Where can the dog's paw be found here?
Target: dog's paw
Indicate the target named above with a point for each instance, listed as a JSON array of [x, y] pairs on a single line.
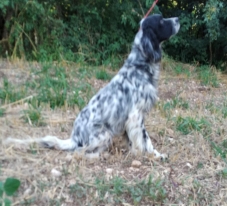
[[164, 157]]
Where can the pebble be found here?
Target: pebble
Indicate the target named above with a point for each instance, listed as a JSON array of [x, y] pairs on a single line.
[[55, 173], [109, 171], [136, 163]]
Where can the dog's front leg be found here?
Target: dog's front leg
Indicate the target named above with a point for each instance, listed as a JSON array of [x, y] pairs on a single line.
[[139, 137]]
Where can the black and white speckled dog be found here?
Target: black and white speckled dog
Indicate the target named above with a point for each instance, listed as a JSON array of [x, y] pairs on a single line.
[[121, 106]]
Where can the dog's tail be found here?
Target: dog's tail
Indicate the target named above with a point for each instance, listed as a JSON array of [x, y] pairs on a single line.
[[47, 141]]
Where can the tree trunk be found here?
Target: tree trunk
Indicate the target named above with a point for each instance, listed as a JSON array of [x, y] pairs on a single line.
[[211, 54]]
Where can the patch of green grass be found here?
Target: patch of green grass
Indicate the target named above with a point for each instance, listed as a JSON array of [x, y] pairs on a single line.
[[33, 116], [53, 87], [200, 165], [212, 108], [116, 190], [103, 75], [178, 69], [207, 76], [224, 110], [85, 72], [223, 173], [9, 94], [80, 95], [176, 102], [219, 148], [187, 125], [2, 112]]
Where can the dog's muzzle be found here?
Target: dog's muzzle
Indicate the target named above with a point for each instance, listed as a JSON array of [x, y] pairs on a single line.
[[176, 24]]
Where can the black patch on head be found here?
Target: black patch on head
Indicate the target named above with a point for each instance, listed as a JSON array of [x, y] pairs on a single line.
[[155, 30]]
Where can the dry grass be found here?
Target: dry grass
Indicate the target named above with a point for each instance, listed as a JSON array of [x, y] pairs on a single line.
[[194, 175]]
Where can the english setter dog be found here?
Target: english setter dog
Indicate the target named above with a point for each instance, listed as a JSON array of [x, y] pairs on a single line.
[[120, 106]]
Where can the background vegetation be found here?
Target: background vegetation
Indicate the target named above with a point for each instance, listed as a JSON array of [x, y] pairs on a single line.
[[95, 31]]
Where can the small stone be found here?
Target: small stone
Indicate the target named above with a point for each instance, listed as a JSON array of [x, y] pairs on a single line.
[[109, 171], [27, 191], [133, 169], [68, 157], [136, 163], [55, 173], [189, 165]]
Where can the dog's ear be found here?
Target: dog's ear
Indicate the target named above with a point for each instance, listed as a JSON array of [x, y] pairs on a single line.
[[150, 45]]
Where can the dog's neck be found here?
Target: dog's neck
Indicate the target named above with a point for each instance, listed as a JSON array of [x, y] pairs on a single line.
[[137, 58], [136, 61]]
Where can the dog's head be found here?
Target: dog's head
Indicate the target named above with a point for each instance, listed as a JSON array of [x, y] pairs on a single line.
[[153, 31]]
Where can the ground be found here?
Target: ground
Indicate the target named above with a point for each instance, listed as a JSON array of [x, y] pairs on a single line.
[[188, 123]]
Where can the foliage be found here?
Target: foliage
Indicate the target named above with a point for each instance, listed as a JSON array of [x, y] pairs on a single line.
[[95, 31], [8, 188], [202, 37]]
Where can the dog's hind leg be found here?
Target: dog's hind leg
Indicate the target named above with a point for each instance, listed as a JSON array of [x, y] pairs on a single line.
[[98, 142], [138, 135]]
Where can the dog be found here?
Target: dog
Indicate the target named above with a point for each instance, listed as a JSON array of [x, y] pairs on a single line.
[[120, 107]]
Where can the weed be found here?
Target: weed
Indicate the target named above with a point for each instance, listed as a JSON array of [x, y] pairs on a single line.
[[149, 189], [103, 75], [189, 124], [211, 107], [80, 95], [224, 110], [8, 188], [79, 190], [53, 88], [222, 174], [207, 76], [220, 149], [9, 94], [118, 189], [2, 112], [176, 102], [33, 116], [180, 70], [200, 165], [84, 72]]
